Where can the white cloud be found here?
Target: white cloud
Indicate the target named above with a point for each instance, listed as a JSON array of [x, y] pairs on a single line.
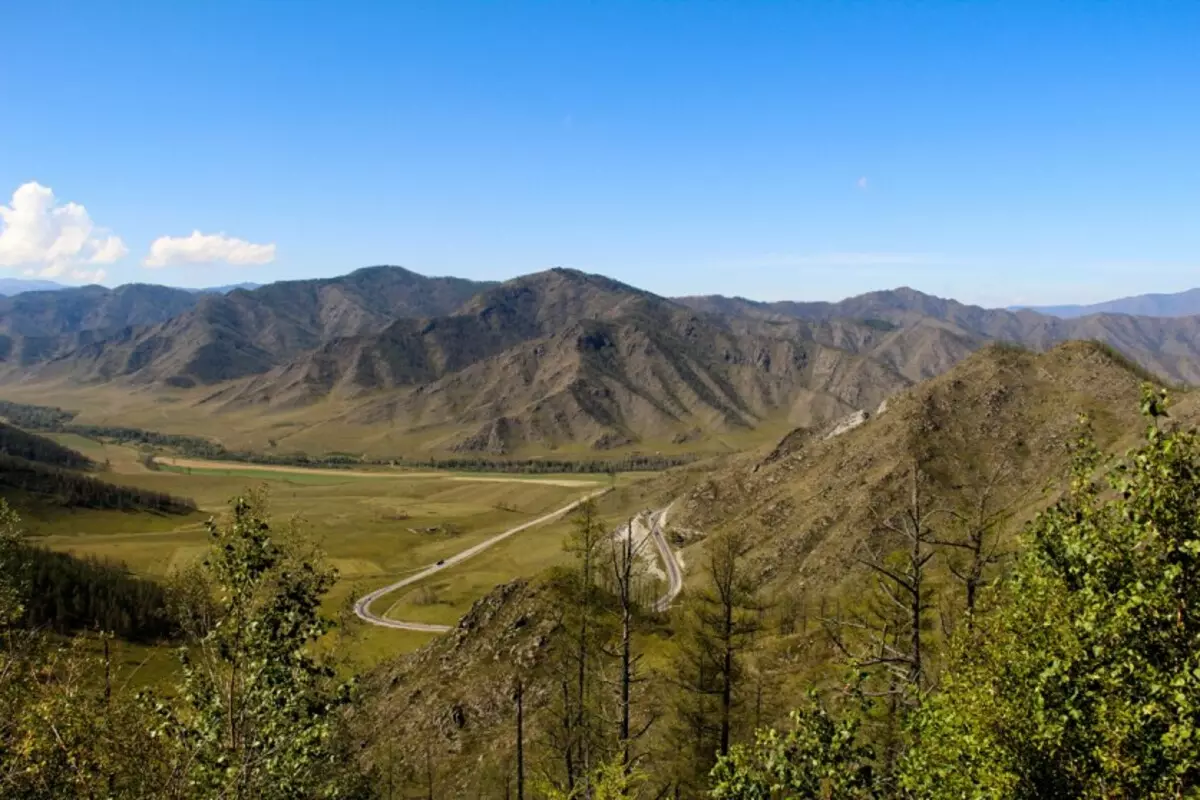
[[862, 183], [207, 248], [52, 240]]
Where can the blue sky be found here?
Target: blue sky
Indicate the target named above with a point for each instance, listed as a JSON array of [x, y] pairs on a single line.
[[1004, 152]]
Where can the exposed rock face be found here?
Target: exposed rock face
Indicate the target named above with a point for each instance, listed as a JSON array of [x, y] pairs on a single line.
[[848, 423]]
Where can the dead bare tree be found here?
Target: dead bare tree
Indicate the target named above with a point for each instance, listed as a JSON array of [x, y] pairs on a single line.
[[520, 698], [572, 735], [727, 617], [625, 574], [623, 563], [584, 544], [987, 498], [889, 636]]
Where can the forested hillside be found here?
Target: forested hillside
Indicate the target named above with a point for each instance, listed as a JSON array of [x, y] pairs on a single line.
[[65, 594], [20, 444]]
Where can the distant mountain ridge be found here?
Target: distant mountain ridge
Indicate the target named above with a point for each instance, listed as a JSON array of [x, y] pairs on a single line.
[[1179, 304], [545, 360], [11, 286], [1168, 347], [15, 286], [202, 338], [228, 288]]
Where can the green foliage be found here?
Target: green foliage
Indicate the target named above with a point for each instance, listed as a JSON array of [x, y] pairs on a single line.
[[609, 782], [822, 756], [722, 620], [577, 739], [45, 590], [1086, 681], [63, 733], [259, 716], [13, 589]]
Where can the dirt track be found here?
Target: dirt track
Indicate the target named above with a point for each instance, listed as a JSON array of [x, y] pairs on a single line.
[[196, 463]]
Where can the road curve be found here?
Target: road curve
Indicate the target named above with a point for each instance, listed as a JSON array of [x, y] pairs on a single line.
[[362, 606], [670, 562]]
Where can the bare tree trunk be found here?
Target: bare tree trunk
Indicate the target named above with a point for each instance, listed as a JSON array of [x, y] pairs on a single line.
[[917, 562], [107, 674], [894, 637], [624, 560], [428, 773], [587, 536], [568, 726], [726, 613], [520, 743], [726, 676]]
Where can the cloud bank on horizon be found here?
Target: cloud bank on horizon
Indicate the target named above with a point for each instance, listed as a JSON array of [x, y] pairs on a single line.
[[46, 238]]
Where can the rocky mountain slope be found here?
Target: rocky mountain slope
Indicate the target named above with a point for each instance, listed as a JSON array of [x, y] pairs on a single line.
[[1169, 347], [37, 326], [225, 336], [549, 360], [562, 356], [808, 503], [90, 308]]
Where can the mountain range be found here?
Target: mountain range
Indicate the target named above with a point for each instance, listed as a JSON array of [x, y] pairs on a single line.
[[1180, 304], [549, 360], [14, 286], [11, 286]]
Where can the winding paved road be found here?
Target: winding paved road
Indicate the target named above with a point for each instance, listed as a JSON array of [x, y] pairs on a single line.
[[674, 573], [649, 525], [362, 606]]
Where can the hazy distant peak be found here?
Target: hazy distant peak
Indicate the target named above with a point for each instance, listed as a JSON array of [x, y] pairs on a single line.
[[12, 286], [1179, 304]]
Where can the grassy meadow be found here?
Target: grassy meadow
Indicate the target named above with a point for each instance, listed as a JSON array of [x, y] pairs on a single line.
[[374, 526], [323, 426]]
